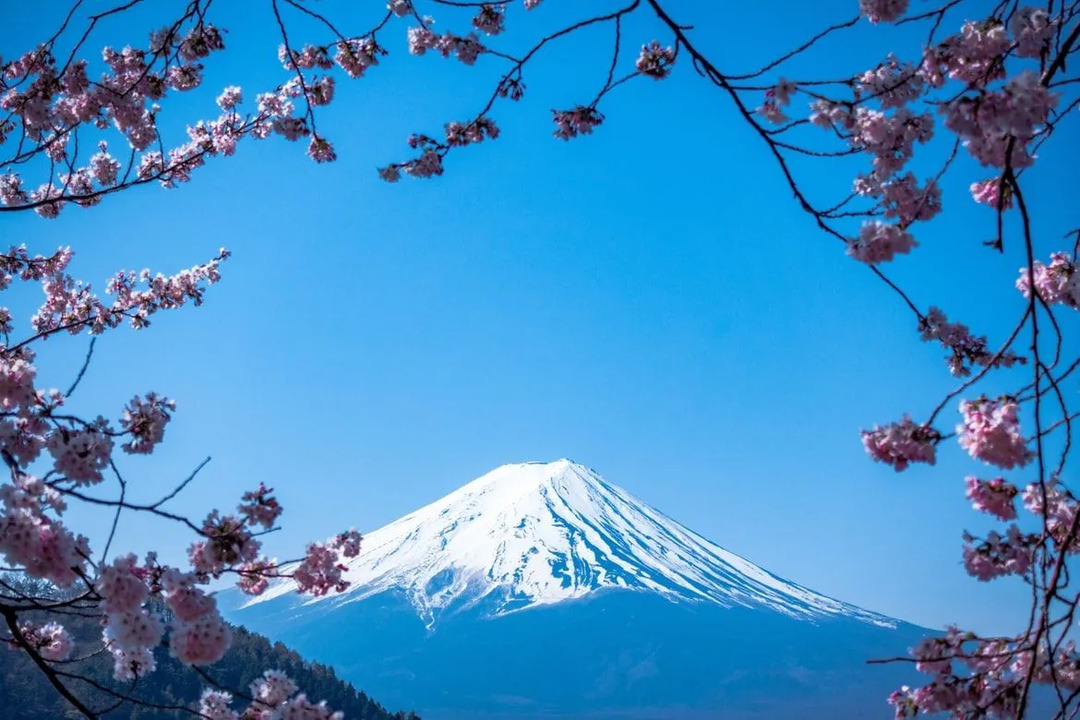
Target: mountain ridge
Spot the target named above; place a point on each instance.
(543, 591)
(538, 533)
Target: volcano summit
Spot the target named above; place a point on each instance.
(543, 590)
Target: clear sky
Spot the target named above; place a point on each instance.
(648, 301)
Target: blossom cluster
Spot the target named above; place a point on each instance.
(901, 443)
(990, 431)
(880, 242)
(968, 350)
(49, 640)
(130, 595)
(1056, 283)
(466, 48)
(655, 60)
(777, 98)
(274, 696)
(49, 104)
(578, 121)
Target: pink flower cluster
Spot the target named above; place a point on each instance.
(655, 60)
(71, 306)
(274, 698)
(990, 192)
(1058, 507)
(999, 555)
(901, 443)
(777, 98)
(990, 431)
(459, 135)
(51, 104)
(321, 571)
(466, 48)
(51, 640)
(1002, 123)
(996, 668)
(227, 542)
(259, 507)
(880, 242)
(904, 200)
(968, 350)
(401, 8)
(877, 11)
(1033, 29)
(892, 83)
(197, 635)
(490, 19)
(974, 56)
(901, 197)
(994, 497)
(214, 705)
(357, 55)
(30, 539)
(320, 150)
(579, 121)
(145, 421)
(1057, 282)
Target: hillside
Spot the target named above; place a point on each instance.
(25, 694)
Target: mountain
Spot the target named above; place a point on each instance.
(543, 590)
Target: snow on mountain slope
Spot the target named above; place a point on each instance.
(541, 533)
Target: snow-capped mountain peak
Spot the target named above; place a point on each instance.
(534, 534)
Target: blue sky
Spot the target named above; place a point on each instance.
(648, 301)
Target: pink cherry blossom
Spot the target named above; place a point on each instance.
(905, 201)
(900, 444)
(356, 56)
(490, 19)
(186, 601)
(990, 431)
(967, 349)
(1033, 29)
(579, 121)
(214, 705)
(320, 571)
(273, 688)
(989, 192)
(17, 375)
(401, 8)
(892, 83)
(459, 135)
(230, 97)
(998, 555)
(254, 577)
(880, 242)
(655, 61)
(202, 641)
(227, 543)
(134, 629)
(348, 543)
(320, 150)
(145, 421)
(1057, 506)
(300, 708)
(121, 586)
(131, 664)
(877, 11)
(44, 548)
(259, 507)
(51, 641)
(1057, 282)
(81, 455)
(994, 497)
